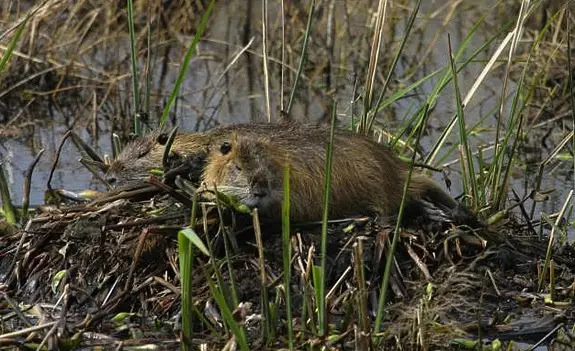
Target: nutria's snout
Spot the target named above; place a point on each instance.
(259, 186)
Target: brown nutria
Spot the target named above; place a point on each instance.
(367, 178)
(145, 153)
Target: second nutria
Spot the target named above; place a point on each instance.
(367, 178)
(190, 149)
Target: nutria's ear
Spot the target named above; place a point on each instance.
(162, 139)
(226, 147)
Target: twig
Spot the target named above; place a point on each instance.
(27, 183)
(49, 183)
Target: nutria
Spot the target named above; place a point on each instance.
(145, 153)
(189, 149)
(367, 178)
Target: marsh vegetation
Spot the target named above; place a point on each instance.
(481, 93)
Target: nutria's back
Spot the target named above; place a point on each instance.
(366, 176)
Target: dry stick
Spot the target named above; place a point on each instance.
(262, 269)
(230, 65)
(59, 322)
(23, 18)
(140, 222)
(136, 258)
(543, 339)
(168, 146)
(27, 331)
(84, 147)
(172, 192)
(520, 203)
(14, 305)
(17, 253)
(361, 295)
(126, 192)
(48, 184)
(27, 182)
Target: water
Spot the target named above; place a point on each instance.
(218, 92)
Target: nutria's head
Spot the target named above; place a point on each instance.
(245, 169)
(136, 159)
(187, 152)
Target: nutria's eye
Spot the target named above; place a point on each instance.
(162, 139)
(238, 168)
(225, 147)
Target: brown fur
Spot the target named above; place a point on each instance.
(366, 177)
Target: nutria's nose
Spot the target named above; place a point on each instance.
(111, 180)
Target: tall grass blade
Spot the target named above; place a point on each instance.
(148, 92)
(186, 63)
(516, 35)
(286, 253)
(227, 316)
(552, 240)
(265, 58)
(186, 253)
(514, 129)
(8, 208)
(187, 240)
(12, 44)
(326, 194)
(303, 57)
(470, 184)
(545, 162)
(391, 252)
(570, 85)
(433, 97)
(268, 328)
(282, 72)
(408, 28)
(134, 64)
(372, 67)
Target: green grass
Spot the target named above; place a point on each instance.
(185, 64)
(391, 252)
(287, 255)
(320, 272)
(8, 209)
(302, 59)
